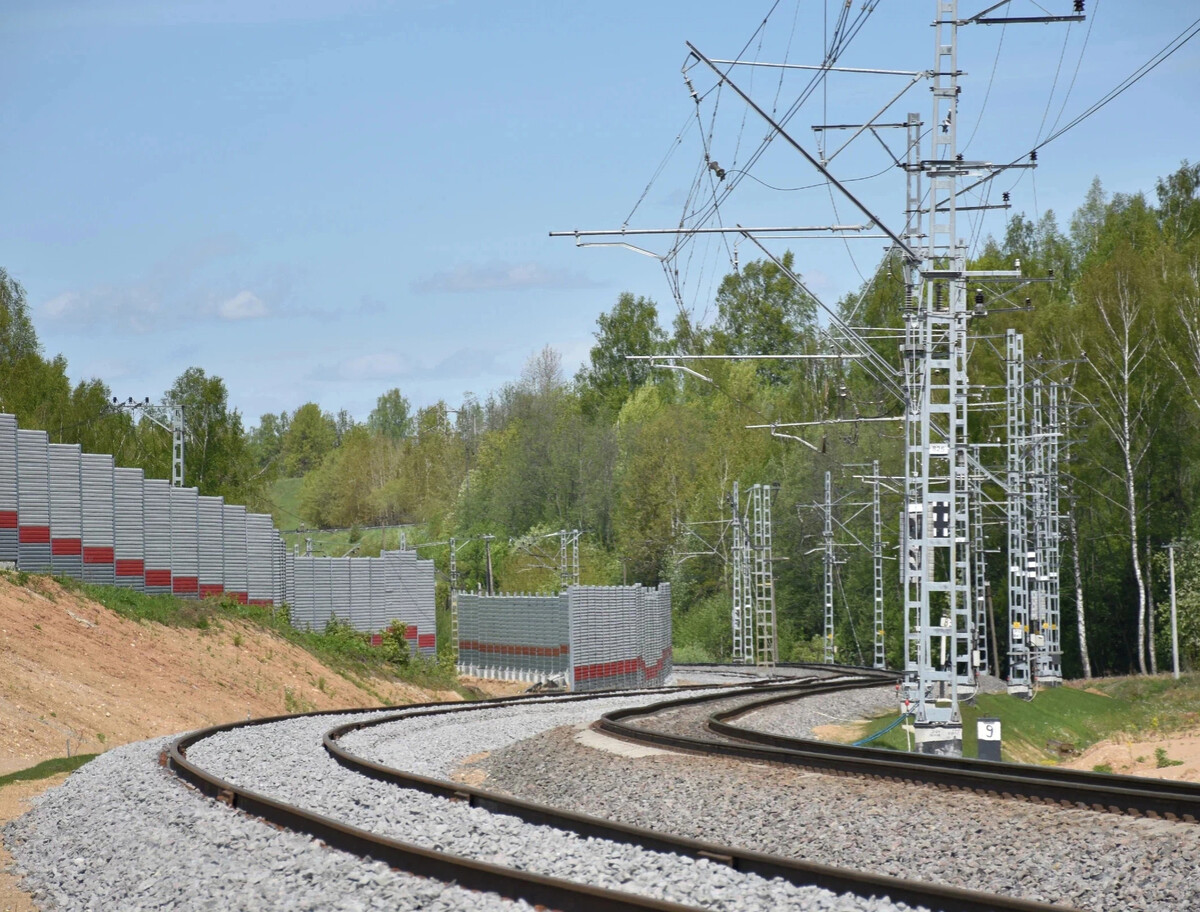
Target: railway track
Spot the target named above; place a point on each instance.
(714, 732)
(514, 880)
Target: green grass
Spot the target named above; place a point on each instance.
(46, 769)
(337, 543)
(284, 495)
(339, 646)
(1071, 716)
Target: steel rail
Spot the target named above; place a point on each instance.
(510, 883)
(840, 880)
(1103, 792)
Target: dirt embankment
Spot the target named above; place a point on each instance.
(77, 678)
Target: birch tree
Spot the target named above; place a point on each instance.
(1119, 297)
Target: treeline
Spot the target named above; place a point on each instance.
(39, 392)
(643, 460)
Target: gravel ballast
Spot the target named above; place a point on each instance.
(1085, 859)
(123, 833)
(286, 760)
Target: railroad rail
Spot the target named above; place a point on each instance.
(1103, 792)
(546, 891)
(800, 873)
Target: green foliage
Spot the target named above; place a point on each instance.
(760, 310)
(702, 630)
(217, 455)
(1162, 761)
(391, 416)
(637, 458)
(311, 434)
(394, 646)
(630, 328)
(47, 768)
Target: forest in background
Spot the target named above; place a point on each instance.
(633, 457)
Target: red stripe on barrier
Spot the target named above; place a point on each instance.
(614, 669)
(208, 590)
(426, 640)
(185, 585)
(239, 597)
(506, 649)
(410, 632)
(377, 639)
(8, 519)
(97, 555)
(66, 547)
(158, 578)
(127, 567)
(261, 603)
(34, 535)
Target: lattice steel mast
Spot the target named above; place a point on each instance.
(766, 648)
(830, 649)
(1020, 679)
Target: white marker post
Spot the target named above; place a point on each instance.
(988, 732)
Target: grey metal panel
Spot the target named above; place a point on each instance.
(340, 587)
(211, 563)
(360, 594)
(289, 584)
(304, 591)
(278, 569)
(185, 542)
(66, 510)
(156, 534)
(128, 532)
(322, 592)
(8, 489)
(96, 471)
(33, 501)
(426, 604)
(234, 546)
(260, 535)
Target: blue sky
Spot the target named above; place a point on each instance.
(323, 199)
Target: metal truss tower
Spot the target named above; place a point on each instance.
(978, 564)
(938, 615)
(1020, 678)
(743, 645)
(1053, 673)
(1045, 643)
(830, 649)
(766, 649)
(168, 416)
(877, 557)
(568, 558)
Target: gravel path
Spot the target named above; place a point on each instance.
(286, 761)
(1093, 861)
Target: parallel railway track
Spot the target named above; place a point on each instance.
(1106, 792)
(514, 883)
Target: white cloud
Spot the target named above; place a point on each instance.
(500, 277)
(126, 309)
(245, 305)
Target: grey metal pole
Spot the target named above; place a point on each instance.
(487, 545)
(1174, 621)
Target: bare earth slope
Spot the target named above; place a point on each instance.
(74, 673)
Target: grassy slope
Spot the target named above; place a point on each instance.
(1072, 716)
(344, 650)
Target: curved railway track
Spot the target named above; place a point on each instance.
(715, 733)
(512, 881)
